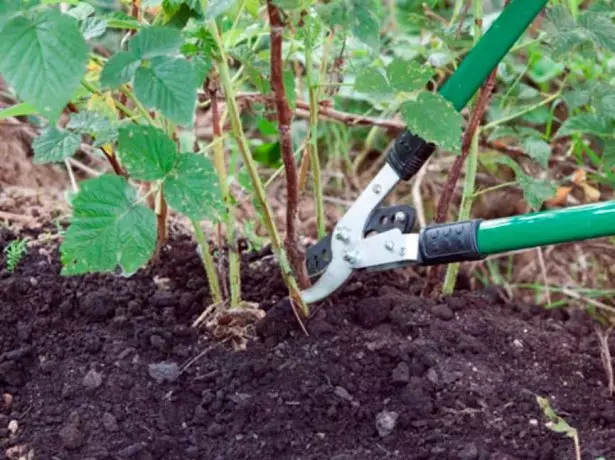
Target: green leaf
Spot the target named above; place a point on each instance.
(109, 228)
(95, 125)
(120, 20)
(146, 152)
(155, 41)
(599, 28)
(293, 4)
(93, 28)
(192, 188)
(55, 146)
(18, 110)
(537, 149)
(217, 7)
(81, 11)
(43, 56)
(371, 81)
(585, 123)
(407, 75)
(365, 22)
(289, 89)
(252, 7)
(535, 191)
(169, 85)
(119, 69)
(434, 119)
(605, 106)
(8, 9)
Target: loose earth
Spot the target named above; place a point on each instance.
(101, 367)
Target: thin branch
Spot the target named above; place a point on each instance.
(285, 115)
(453, 177)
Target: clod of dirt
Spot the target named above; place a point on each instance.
(164, 371)
(443, 312)
(386, 422)
(110, 422)
(131, 450)
(99, 305)
(373, 311)
(469, 452)
(92, 380)
(71, 434)
(401, 373)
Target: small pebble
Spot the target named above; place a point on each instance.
(163, 371)
(401, 373)
(13, 426)
(385, 422)
(130, 451)
(343, 393)
(432, 375)
(215, 430)
(92, 380)
(110, 422)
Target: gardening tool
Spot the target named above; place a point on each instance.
(370, 237)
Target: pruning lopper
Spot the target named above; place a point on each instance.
(372, 237)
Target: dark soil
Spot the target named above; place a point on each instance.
(89, 370)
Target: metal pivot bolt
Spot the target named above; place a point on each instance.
(352, 257)
(342, 235)
(377, 188)
(389, 245)
(399, 217)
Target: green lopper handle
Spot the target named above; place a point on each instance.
(410, 152)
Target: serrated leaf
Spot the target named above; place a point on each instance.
(169, 85)
(55, 146)
(600, 29)
(585, 123)
(81, 11)
(93, 28)
(217, 7)
(7, 11)
(119, 69)
(155, 41)
(535, 191)
(605, 106)
(108, 229)
(576, 98)
(95, 125)
(407, 75)
(87, 122)
(146, 152)
(434, 119)
(372, 81)
(192, 188)
(537, 149)
(364, 21)
(202, 67)
(43, 57)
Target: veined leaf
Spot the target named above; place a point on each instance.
(169, 85)
(55, 146)
(57, 56)
(93, 27)
(434, 119)
(192, 188)
(95, 125)
(371, 81)
(155, 41)
(585, 123)
(600, 28)
(537, 149)
(407, 75)
(293, 4)
(109, 228)
(146, 152)
(364, 21)
(119, 69)
(217, 7)
(535, 191)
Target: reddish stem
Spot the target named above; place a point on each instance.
(285, 115)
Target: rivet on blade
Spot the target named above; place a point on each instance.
(377, 189)
(389, 245)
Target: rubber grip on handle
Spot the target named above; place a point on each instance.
(449, 243)
(408, 154)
